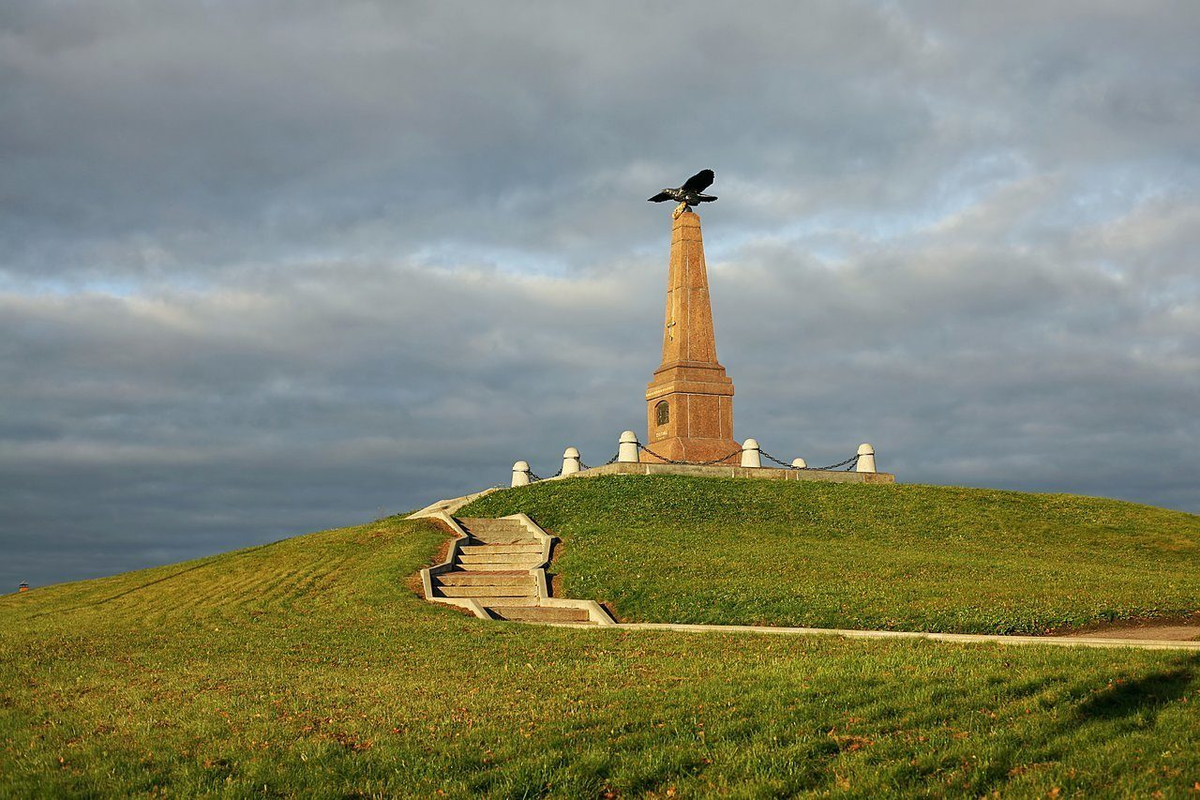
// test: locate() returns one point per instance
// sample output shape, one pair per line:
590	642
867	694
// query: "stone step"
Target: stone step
515	559
497	530
489	591
538	613
475	549
508	602
496	526
500	566
503	539
492	522
494	578
510	537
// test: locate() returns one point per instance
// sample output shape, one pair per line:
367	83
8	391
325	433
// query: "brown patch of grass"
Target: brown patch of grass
416	585
444	550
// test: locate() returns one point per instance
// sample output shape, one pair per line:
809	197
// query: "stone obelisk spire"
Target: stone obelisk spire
689	403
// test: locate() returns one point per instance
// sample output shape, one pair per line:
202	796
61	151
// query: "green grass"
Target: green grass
704	550
309	667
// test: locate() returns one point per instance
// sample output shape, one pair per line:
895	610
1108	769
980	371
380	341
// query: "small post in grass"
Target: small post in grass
866	458
570	461
627	449
750	454
520	473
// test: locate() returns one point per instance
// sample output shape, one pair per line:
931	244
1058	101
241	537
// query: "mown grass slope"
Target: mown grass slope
309	667
677	549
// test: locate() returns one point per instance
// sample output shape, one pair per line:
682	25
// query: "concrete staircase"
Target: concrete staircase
496	568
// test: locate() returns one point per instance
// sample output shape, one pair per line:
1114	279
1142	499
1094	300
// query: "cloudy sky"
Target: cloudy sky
273	267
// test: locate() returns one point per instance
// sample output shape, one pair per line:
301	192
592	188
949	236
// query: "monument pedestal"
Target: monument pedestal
689	402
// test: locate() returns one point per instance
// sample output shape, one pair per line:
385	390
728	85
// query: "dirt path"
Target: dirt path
1141	633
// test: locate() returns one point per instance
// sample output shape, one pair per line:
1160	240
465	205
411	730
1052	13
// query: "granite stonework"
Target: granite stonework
689	402
724	471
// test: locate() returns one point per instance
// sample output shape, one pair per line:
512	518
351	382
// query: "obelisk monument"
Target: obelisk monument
689	402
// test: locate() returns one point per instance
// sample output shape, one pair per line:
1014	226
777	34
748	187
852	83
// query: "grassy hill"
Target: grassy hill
309	666
677	549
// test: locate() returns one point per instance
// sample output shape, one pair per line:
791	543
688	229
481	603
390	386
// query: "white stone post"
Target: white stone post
799	463
866	458
520	473
750	454
570	461
627	450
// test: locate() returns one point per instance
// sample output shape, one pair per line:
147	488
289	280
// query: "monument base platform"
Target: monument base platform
725	471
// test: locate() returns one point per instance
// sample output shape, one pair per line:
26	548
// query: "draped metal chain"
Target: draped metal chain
612	460
846	466
534	477
770	457
849	463
666	460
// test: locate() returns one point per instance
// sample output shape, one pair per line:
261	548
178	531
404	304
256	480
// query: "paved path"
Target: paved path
962	638
449	505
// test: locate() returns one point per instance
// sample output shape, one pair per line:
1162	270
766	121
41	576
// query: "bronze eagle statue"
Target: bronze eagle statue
689	194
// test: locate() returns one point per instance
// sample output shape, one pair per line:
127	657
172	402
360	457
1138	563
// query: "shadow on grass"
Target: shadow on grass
1126	704
1144	695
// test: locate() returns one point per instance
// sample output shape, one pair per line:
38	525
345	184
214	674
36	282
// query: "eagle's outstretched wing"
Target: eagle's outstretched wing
661	197
699	182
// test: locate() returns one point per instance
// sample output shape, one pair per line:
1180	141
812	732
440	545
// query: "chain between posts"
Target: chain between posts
849	464
534	477
770	457
666	460
852	462
612	460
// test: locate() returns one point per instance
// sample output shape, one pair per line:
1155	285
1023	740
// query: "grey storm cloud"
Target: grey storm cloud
279	266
